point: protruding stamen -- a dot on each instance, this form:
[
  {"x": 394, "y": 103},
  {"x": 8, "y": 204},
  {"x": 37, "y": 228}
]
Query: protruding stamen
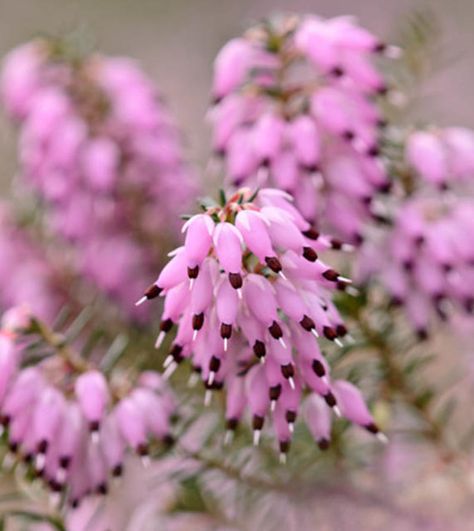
[
  {"x": 310, "y": 254},
  {"x": 382, "y": 437},
  {"x": 337, "y": 411},
  {"x": 210, "y": 380},
  {"x": 160, "y": 339},
  {"x": 150, "y": 293},
  {"x": 168, "y": 360},
  {"x": 40, "y": 461},
  {"x": 256, "y": 437},
  {"x": 208, "y": 397},
  {"x": 235, "y": 280},
  {"x": 193, "y": 272},
  {"x": 291, "y": 381},
  {"x": 170, "y": 370},
  {"x": 273, "y": 263},
  {"x": 282, "y": 458},
  {"x": 193, "y": 379}
]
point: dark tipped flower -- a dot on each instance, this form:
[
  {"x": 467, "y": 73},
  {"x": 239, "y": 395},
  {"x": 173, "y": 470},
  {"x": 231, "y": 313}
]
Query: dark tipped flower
[
  {"x": 69, "y": 424},
  {"x": 249, "y": 297},
  {"x": 294, "y": 108}
]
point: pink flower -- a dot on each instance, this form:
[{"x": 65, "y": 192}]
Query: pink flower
[
  {"x": 104, "y": 155},
  {"x": 426, "y": 264},
  {"x": 70, "y": 425},
  {"x": 250, "y": 297},
  {"x": 294, "y": 99},
  {"x": 443, "y": 156}
]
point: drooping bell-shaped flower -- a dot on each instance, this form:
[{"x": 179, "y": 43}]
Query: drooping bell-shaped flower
[
  {"x": 250, "y": 307},
  {"x": 104, "y": 156},
  {"x": 426, "y": 263},
  {"x": 295, "y": 96},
  {"x": 69, "y": 424}
]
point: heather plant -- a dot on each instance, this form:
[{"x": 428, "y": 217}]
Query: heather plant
[{"x": 301, "y": 315}]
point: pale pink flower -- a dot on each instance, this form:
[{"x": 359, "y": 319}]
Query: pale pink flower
[{"x": 250, "y": 296}]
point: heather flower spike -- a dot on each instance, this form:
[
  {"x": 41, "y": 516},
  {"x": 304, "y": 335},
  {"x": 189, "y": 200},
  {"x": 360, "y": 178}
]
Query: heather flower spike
[
  {"x": 295, "y": 107},
  {"x": 68, "y": 424},
  {"x": 426, "y": 266},
  {"x": 103, "y": 154},
  {"x": 250, "y": 297}
]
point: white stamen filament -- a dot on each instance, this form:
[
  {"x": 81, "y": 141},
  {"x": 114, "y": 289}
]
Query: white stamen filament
[
  {"x": 256, "y": 437},
  {"x": 344, "y": 279},
  {"x": 39, "y": 462},
  {"x": 167, "y": 361},
  {"x": 159, "y": 339},
  {"x": 141, "y": 301},
  {"x": 210, "y": 380},
  {"x": 282, "y": 342},
  {"x": 291, "y": 381},
  {"x": 282, "y": 458},
  {"x": 338, "y": 342},
  {"x": 170, "y": 370},
  {"x": 207, "y": 397},
  {"x": 193, "y": 379},
  {"x": 382, "y": 437},
  {"x": 337, "y": 411}
]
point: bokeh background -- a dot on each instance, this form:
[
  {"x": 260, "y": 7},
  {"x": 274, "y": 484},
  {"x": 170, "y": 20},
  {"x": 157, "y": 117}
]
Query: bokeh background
[{"x": 176, "y": 42}]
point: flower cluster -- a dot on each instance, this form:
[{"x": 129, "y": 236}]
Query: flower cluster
[
  {"x": 26, "y": 273},
  {"x": 250, "y": 296},
  {"x": 427, "y": 264},
  {"x": 65, "y": 421},
  {"x": 295, "y": 106},
  {"x": 101, "y": 150},
  {"x": 442, "y": 157}
]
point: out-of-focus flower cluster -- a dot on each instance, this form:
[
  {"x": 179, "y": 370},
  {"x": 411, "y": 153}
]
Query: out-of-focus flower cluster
[
  {"x": 26, "y": 273},
  {"x": 442, "y": 157},
  {"x": 295, "y": 105},
  {"x": 101, "y": 150},
  {"x": 425, "y": 256},
  {"x": 65, "y": 421},
  {"x": 250, "y": 296}
]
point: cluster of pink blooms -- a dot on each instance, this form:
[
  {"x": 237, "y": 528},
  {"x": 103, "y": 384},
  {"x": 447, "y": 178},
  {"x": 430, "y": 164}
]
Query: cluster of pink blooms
[
  {"x": 249, "y": 296},
  {"x": 295, "y": 108},
  {"x": 427, "y": 263},
  {"x": 69, "y": 425},
  {"x": 26, "y": 275},
  {"x": 101, "y": 150},
  {"x": 442, "y": 157}
]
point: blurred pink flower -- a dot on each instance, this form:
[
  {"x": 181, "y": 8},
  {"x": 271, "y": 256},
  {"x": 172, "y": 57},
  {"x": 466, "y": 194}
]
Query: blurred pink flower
[
  {"x": 102, "y": 152},
  {"x": 70, "y": 425},
  {"x": 294, "y": 107}
]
